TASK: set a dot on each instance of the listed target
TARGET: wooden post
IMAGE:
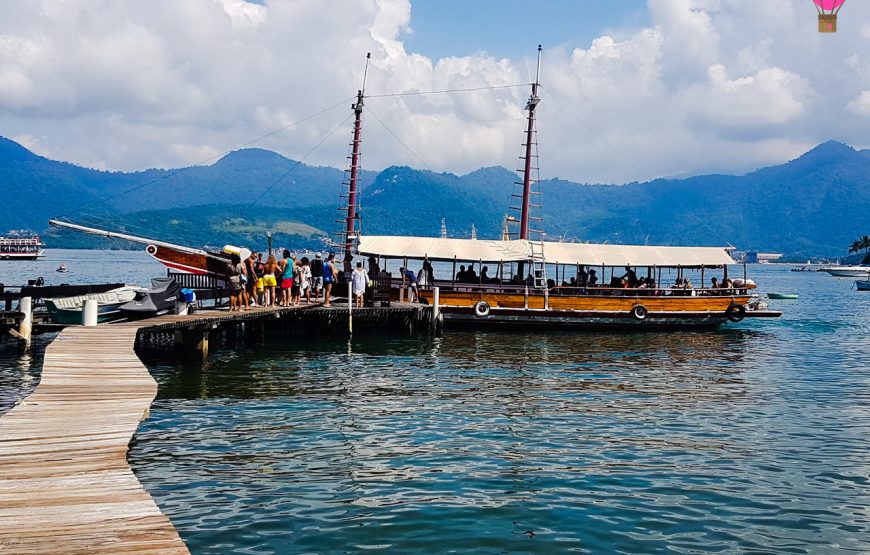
(89, 312)
(25, 307)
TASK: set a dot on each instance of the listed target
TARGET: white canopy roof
(436, 248)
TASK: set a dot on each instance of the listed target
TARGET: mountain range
(814, 205)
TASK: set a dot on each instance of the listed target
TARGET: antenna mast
(351, 217)
(527, 171)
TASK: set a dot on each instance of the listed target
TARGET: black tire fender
(735, 313)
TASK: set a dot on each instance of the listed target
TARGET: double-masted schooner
(520, 293)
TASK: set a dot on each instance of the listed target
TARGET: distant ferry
(21, 248)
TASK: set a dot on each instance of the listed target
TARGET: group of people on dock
(286, 282)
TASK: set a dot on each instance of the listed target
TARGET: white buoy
(89, 312)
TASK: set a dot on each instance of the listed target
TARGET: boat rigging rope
(209, 159)
(301, 160)
(472, 89)
(395, 136)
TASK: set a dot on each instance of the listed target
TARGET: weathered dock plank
(65, 486)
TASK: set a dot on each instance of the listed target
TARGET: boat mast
(351, 217)
(527, 171)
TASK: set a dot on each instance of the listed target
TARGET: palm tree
(865, 243)
(856, 246)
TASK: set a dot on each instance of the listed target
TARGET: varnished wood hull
(587, 311)
(189, 263)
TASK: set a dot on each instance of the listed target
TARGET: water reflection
(482, 441)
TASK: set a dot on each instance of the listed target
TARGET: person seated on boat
(592, 280)
(374, 269)
(460, 275)
(630, 276)
(551, 284)
(409, 280)
(572, 282)
(429, 272)
(470, 274)
(582, 276)
(484, 278)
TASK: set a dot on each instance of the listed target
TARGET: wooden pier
(65, 485)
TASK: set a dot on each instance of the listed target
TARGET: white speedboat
(848, 271)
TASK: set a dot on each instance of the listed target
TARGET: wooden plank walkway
(65, 485)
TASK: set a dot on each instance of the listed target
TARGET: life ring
(639, 312)
(735, 313)
(151, 249)
(481, 309)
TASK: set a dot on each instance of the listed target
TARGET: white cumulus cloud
(708, 85)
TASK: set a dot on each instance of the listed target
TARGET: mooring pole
(436, 294)
(89, 312)
(25, 307)
(350, 306)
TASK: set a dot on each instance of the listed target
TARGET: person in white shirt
(360, 280)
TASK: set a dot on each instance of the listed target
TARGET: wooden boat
(21, 248)
(521, 294)
(68, 310)
(188, 260)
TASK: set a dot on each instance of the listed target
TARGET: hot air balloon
(828, 10)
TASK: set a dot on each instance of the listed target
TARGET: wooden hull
(189, 263)
(588, 311)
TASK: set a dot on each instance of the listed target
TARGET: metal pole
(350, 306)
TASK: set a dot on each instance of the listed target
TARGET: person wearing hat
(317, 275)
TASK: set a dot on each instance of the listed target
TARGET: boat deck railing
(512, 288)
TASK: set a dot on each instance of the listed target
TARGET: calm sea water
(753, 439)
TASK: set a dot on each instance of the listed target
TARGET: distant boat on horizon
(21, 248)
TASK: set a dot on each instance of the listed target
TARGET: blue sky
(512, 28)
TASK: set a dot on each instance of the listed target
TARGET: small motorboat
(68, 310)
(62, 268)
(160, 299)
(862, 285)
(782, 296)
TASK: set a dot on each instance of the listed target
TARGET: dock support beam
(193, 341)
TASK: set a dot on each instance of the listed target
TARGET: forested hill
(812, 206)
